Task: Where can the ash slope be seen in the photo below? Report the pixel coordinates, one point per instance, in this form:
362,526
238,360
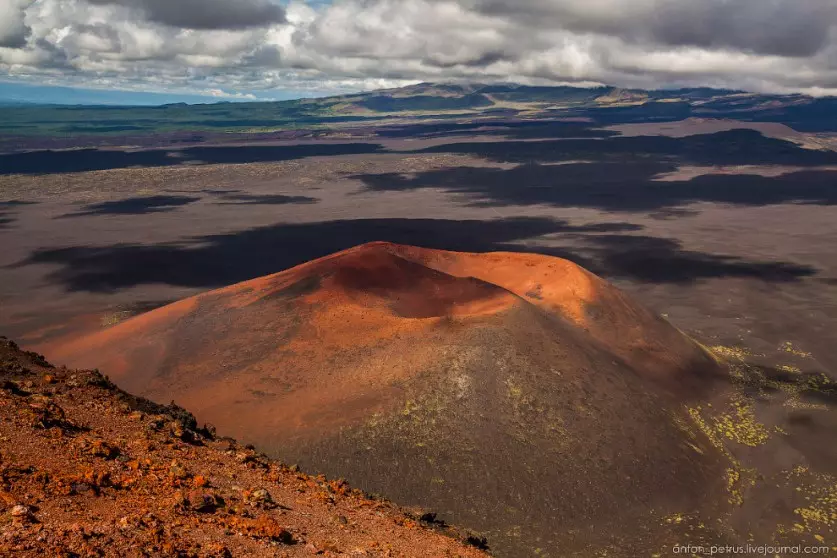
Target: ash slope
519,395
88,470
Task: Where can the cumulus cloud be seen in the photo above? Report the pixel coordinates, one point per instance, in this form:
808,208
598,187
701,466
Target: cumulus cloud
13,29
251,45
205,14
226,95
781,27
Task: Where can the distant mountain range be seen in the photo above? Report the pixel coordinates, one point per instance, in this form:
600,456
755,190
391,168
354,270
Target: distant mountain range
425,101
522,100
14,103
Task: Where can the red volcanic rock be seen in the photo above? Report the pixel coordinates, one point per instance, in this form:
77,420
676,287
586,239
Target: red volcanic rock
60,501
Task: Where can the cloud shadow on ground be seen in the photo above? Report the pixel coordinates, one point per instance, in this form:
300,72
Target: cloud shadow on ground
263,199
218,260
142,205
734,147
626,186
8,211
511,129
81,160
651,259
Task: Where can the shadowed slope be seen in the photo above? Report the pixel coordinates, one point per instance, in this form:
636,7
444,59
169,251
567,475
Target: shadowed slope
517,394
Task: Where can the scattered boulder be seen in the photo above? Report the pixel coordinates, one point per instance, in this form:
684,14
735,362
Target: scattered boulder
258,497
21,513
204,501
97,448
177,472
264,527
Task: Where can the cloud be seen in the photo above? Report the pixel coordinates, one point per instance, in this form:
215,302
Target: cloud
254,45
13,29
776,27
219,93
205,14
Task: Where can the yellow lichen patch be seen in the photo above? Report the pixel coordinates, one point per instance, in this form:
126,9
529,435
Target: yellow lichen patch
794,384
738,372
794,402
738,425
737,481
736,360
810,383
816,515
741,425
675,518
688,528
733,478
819,512
737,353
789,347
704,427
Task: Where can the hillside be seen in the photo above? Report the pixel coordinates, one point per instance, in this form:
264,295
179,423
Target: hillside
88,470
485,386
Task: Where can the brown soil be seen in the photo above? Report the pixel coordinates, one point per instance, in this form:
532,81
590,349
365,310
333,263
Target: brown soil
88,470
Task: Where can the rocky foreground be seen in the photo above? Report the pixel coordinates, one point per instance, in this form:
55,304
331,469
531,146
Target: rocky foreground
88,470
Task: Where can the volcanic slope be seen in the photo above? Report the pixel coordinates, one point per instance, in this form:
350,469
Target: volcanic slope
89,470
517,395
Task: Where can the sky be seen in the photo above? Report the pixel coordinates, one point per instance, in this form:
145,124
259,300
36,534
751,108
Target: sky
165,50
